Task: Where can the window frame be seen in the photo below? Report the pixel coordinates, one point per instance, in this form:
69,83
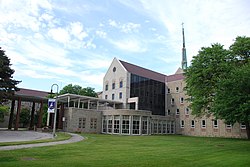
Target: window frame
203,126
192,123
182,123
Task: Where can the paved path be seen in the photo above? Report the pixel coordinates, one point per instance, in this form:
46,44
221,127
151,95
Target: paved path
74,138
16,136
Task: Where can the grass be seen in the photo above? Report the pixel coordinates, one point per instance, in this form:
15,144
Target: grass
59,137
125,151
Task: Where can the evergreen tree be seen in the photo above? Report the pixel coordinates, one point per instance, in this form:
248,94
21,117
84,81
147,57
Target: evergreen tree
7,83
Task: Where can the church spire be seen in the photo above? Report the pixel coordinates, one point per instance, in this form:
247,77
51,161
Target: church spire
184,57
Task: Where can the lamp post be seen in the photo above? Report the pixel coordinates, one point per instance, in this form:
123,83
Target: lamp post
54,127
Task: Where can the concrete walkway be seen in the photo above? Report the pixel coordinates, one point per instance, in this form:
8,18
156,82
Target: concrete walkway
73,139
16,136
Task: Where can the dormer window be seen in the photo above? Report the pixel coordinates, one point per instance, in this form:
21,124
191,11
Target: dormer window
177,89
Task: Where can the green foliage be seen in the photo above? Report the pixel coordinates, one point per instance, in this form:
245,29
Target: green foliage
135,151
7,84
241,49
202,76
219,81
232,100
78,90
25,117
4,110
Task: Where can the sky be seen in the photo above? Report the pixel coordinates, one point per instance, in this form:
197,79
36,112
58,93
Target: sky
74,41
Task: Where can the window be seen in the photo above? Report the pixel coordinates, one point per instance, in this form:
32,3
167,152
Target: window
228,126
136,122
121,84
106,87
93,123
159,127
172,101
168,90
144,125
242,126
187,111
113,96
192,124
155,127
168,112
106,96
113,85
215,123
164,127
181,100
177,89
177,111
104,124
120,95
182,123
114,69
116,124
81,123
110,124
125,124
172,127
203,123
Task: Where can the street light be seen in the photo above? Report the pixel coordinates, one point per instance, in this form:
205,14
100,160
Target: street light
54,127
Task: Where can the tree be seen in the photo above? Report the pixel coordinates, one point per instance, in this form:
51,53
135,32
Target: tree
4,110
7,84
232,99
218,82
202,77
78,90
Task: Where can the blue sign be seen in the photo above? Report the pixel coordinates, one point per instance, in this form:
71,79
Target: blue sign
51,105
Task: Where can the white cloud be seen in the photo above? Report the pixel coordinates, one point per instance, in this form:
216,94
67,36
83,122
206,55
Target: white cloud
113,23
76,29
101,33
60,35
129,45
129,27
126,28
206,22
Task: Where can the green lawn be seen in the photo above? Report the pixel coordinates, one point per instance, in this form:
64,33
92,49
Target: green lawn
125,151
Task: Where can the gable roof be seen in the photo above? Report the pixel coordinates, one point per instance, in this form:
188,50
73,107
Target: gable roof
30,92
134,69
29,95
174,77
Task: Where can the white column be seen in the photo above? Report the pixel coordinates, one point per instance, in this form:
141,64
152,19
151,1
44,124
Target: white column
170,125
140,127
79,103
74,104
114,105
130,124
147,125
120,125
112,124
88,104
68,101
48,119
97,105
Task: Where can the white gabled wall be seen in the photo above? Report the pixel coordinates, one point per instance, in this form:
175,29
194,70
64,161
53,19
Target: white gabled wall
116,76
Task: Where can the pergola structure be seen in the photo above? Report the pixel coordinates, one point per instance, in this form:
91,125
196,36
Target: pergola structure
27,95
79,101
84,102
